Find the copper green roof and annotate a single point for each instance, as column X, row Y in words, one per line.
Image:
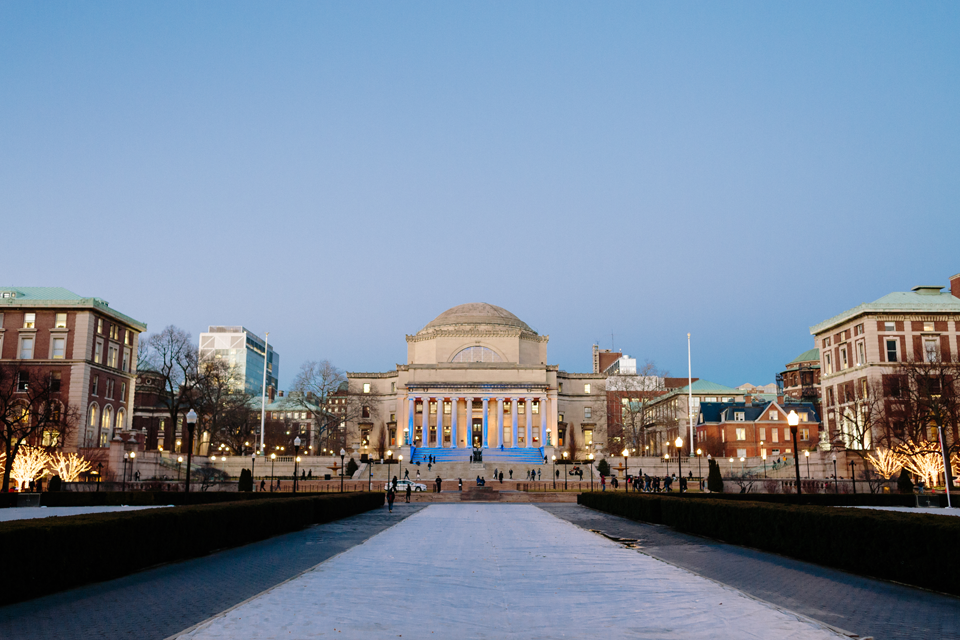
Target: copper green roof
column 807, row 356
column 920, row 300
column 60, row 297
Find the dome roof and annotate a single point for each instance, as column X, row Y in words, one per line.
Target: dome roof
column 477, row 313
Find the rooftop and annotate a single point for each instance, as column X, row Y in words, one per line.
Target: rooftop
column 60, row 297
column 920, row 299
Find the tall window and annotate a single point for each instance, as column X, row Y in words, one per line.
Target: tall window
column 120, row 420
column 828, row 363
column 123, row 391
column 100, row 326
column 95, row 384
column 587, row 412
column 892, row 350
column 930, row 349
column 843, row 358
column 366, row 387
column 126, row 360
column 741, row 434
column 26, row 348
column 586, row 388
column 55, row 381
column 61, row 322
column 861, row 354
column 29, row 321
column 98, row 352
column 112, row 352
column 59, row 348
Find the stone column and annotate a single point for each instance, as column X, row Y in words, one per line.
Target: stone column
column 513, row 421
column 440, row 422
column 528, row 405
column 543, row 421
column 411, row 411
column 486, row 420
column 500, row 420
column 425, row 423
column 453, row 422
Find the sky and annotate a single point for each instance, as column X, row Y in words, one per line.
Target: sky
column 340, row 173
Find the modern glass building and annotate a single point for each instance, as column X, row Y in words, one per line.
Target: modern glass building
column 245, row 350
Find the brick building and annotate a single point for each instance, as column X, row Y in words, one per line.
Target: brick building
column 88, row 349
column 800, row 379
column 671, row 413
column 748, row 428
column 862, row 345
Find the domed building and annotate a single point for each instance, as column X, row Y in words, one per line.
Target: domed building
column 477, row 377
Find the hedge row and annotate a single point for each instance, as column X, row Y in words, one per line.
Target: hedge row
column 142, row 498
column 46, row 555
column 820, row 499
column 914, row 548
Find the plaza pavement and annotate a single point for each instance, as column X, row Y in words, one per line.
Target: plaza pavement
column 502, row 572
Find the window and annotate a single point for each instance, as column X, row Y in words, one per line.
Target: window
column 889, row 326
column 433, row 407
column 123, row 392
column 393, row 417
column 587, row 412
column 928, row 326
column 559, row 387
column 586, row 388
column 861, row 354
column 739, row 416
column 29, row 321
column 95, row 385
column 930, row 349
column 560, row 418
column 774, row 415
column 804, row 434
column 588, row 436
column 843, row 358
column 120, row 420
column 393, row 387
column 826, row 342
column 59, row 348
column 112, row 352
column 126, row 360
column 26, row 348
column 828, row 363
column 100, row 326
column 366, row 387
column 741, row 433
column 98, row 352
column 892, row 350
column 447, row 407
column 108, row 391
column 536, row 406
column 61, row 322
column 775, row 433
column 365, row 412
column 114, row 332
column 763, row 433
column 23, row 381
column 128, row 338
column 858, row 330
column 54, row 381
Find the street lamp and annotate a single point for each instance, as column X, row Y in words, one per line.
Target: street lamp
column 191, row 424
column 296, row 462
column 253, row 466
column 123, row 484
column 273, row 462
column 370, row 477
column 731, row 467
column 666, row 460
column 763, row 455
column 806, row 454
column 343, row 454
column 679, row 443
column 836, row 488
column 590, row 458
column 565, row 471
column 99, row 474
column 700, row 464
column 793, row 420
column 853, row 475
column 742, row 460
column 554, row 473
column 626, row 473
column 400, row 468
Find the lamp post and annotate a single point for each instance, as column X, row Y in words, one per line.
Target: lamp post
column 253, row 466
column 666, row 460
column 370, row 477
column 679, row 443
column 794, row 420
column 626, row 472
column 554, row 473
column 853, row 475
column 99, row 474
column 565, row 472
column 273, row 462
column 731, row 467
column 700, row 465
column 764, row 457
column 836, row 488
column 343, row 454
column 400, row 469
column 806, row 454
column 296, row 462
column 590, row 458
column 191, row 424
column 742, row 460
column 702, row 483
column 123, row 483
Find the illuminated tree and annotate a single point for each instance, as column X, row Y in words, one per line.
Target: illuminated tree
column 30, row 464
column 886, row 462
column 69, row 466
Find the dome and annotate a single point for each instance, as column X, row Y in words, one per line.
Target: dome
column 478, row 313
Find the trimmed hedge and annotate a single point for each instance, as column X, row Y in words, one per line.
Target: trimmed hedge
column 47, row 555
column 914, row 548
column 144, row 498
column 821, row 499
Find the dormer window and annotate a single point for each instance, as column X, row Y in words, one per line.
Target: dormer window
column 8, row 294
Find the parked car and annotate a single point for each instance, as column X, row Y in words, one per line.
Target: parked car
column 414, row 486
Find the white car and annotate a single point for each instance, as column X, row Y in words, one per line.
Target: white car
column 414, row 486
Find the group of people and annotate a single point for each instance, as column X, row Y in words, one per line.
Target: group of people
column 392, row 491
column 647, row 483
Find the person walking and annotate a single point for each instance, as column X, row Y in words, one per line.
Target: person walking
column 418, row 475
column 538, row 474
column 501, row 477
column 406, row 474
column 263, row 485
column 459, row 484
column 439, row 484
column 408, row 492
column 511, row 474
column 391, row 496
column 394, row 484
column 603, row 482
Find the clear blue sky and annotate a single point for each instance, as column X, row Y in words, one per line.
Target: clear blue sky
column 341, row 173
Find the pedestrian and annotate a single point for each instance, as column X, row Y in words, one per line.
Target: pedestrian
column 557, row 474
column 409, row 490
column 418, row 475
column 391, row 496
column 429, row 466
column 496, row 472
column 394, row 483
column 538, row 474
column 406, row 474
column 439, row 484
column 310, row 473
column 683, row 484
column 459, row 484
column 263, row 485
column 501, row 477
column 511, row 474
column 603, row 482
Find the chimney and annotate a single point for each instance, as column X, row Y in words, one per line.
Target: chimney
column 780, row 399
column 748, row 400
column 271, row 393
column 281, row 393
column 955, row 286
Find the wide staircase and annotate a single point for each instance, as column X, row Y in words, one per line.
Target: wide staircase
column 519, row 455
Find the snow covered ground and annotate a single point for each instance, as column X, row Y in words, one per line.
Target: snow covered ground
column 505, row 572
column 937, row 511
column 28, row 513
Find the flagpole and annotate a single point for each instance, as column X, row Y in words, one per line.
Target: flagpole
column 689, row 395
column 263, row 396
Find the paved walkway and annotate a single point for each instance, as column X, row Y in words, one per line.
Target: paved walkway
column 867, row 607
column 157, row 603
column 504, row 572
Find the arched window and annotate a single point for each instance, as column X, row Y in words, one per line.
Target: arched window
column 119, row 419
column 106, row 420
column 477, row 354
column 88, row 438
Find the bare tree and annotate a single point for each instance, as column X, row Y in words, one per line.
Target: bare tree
column 381, row 446
column 632, row 413
column 173, row 355
column 30, row 407
column 324, row 391
column 226, row 410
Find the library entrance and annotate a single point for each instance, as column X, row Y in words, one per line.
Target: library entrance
column 478, row 433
